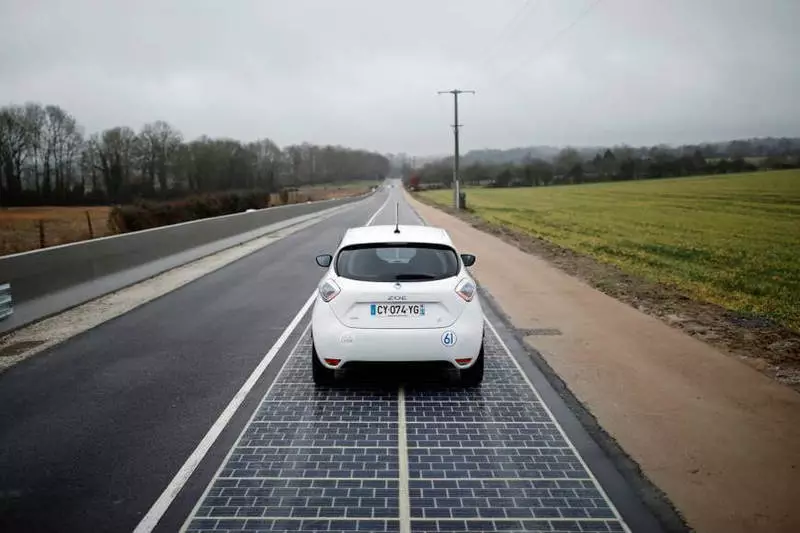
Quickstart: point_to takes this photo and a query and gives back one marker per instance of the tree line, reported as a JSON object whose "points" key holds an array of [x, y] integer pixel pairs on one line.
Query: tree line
{"points": [[572, 166], [45, 158]]}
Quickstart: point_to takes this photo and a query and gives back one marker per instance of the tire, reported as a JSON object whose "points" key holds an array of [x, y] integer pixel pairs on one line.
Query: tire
{"points": [[473, 376], [322, 375]]}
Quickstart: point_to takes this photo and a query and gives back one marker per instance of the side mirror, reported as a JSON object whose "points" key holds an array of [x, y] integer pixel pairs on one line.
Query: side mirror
{"points": [[468, 259], [324, 260]]}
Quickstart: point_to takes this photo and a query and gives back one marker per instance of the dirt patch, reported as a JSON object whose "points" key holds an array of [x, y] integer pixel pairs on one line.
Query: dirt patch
{"points": [[759, 342], [15, 348]]}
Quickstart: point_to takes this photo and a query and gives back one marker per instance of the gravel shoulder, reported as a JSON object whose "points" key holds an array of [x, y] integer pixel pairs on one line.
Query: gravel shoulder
{"points": [[718, 434]]}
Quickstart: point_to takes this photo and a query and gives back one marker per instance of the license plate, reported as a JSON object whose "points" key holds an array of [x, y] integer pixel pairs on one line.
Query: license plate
{"points": [[397, 310]]}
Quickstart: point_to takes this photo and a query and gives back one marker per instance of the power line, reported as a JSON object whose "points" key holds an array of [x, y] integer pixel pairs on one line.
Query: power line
{"points": [[548, 44], [456, 125], [507, 28]]}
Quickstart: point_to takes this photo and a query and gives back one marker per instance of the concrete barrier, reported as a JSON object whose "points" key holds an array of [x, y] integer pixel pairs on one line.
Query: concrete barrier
{"points": [[38, 273]]}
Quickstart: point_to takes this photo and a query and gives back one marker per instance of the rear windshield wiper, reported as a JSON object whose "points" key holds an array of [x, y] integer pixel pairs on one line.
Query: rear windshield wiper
{"points": [[409, 277]]}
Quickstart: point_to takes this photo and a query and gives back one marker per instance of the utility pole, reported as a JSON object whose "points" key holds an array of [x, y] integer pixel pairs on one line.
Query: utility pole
{"points": [[456, 125]]}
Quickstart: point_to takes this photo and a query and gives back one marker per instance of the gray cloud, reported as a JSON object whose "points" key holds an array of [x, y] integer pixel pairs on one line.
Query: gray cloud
{"points": [[365, 73]]}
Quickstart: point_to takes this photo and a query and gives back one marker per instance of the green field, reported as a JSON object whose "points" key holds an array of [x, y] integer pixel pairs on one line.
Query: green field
{"points": [[733, 240]]}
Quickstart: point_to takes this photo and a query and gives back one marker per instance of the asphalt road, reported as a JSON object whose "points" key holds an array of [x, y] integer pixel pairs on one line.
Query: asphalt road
{"points": [[93, 430]]}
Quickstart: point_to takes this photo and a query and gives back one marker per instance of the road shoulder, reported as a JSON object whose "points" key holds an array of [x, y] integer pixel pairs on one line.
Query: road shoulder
{"points": [[719, 438]]}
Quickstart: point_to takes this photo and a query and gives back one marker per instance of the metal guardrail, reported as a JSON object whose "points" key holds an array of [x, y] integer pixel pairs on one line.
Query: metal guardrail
{"points": [[6, 304]]}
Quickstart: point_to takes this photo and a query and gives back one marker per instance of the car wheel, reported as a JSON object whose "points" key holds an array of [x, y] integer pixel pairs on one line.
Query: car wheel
{"points": [[473, 376], [322, 374]]}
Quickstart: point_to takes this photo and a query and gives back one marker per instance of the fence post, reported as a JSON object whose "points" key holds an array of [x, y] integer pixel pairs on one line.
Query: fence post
{"points": [[41, 233], [89, 223]]}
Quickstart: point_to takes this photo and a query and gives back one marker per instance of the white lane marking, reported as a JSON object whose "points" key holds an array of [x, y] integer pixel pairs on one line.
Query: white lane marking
{"points": [[404, 504], [249, 422], [558, 426], [372, 218], [150, 520], [168, 495]]}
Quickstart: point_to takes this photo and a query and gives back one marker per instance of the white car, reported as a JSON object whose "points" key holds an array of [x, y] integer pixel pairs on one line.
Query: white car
{"points": [[397, 294]]}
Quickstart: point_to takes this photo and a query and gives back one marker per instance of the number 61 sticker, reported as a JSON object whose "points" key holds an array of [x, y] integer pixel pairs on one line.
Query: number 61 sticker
{"points": [[449, 338]]}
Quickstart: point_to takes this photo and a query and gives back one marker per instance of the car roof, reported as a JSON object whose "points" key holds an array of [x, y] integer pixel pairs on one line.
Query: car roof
{"points": [[386, 234]]}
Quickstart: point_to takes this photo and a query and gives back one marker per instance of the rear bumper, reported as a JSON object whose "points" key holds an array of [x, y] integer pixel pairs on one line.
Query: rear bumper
{"points": [[334, 340]]}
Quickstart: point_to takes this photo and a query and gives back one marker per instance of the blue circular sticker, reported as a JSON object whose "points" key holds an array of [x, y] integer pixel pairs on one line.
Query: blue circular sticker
{"points": [[449, 338]]}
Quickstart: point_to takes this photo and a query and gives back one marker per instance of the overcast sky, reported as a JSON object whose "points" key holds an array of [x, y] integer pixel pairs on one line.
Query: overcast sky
{"points": [[365, 73]]}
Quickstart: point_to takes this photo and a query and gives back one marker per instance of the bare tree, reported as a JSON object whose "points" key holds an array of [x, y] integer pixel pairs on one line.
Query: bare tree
{"points": [[44, 157], [268, 161], [115, 153], [158, 146], [62, 142], [14, 141], [36, 118]]}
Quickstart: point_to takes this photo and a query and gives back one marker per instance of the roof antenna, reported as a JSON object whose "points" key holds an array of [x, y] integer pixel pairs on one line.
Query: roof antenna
{"points": [[397, 217]]}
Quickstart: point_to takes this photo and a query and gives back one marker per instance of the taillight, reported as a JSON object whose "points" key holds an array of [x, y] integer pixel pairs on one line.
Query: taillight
{"points": [[464, 361], [328, 290], [466, 289]]}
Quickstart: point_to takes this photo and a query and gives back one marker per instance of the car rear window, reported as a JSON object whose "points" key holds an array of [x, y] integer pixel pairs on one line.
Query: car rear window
{"points": [[397, 262]]}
